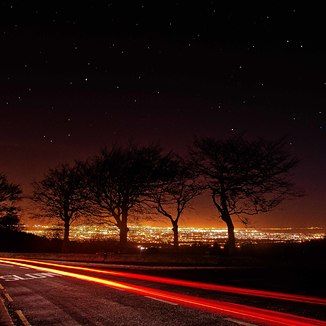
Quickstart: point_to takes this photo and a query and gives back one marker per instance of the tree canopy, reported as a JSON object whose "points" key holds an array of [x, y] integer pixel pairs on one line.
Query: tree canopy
{"points": [[174, 192], [244, 177], [119, 181], [62, 194]]}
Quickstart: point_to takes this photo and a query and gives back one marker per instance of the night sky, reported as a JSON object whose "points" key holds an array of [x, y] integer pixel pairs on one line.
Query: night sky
{"points": [[78, 75]]}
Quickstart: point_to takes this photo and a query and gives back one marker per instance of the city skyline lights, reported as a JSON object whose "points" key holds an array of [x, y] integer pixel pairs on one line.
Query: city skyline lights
{"points": [[187, 235]]}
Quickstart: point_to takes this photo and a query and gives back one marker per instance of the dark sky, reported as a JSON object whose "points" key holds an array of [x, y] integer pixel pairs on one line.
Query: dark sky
{"points": [[78, 75]]}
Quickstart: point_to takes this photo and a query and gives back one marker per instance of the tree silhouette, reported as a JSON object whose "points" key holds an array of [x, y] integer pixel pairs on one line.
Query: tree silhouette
{"points": [[10, 194], [174, 191], [62, 194], [120, 180], [244, 177]]}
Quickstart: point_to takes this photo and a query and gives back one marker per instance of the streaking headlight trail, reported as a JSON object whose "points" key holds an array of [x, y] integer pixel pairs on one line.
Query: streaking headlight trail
{"points": [[198, 285], [262, 316]]}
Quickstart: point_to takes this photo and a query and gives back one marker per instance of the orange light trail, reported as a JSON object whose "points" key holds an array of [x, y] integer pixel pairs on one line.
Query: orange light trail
{"points": [[263, 316], [192, 284]]}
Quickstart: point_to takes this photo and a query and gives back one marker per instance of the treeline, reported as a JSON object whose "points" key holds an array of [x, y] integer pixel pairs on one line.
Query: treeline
{"points": [[243, 177]]}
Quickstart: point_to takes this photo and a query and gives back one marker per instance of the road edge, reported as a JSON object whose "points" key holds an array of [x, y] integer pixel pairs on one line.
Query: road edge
{"points": [[5, 318]]}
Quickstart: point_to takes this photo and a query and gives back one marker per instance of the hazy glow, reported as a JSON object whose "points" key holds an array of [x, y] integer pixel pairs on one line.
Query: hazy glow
{"points": [[263, 316]]}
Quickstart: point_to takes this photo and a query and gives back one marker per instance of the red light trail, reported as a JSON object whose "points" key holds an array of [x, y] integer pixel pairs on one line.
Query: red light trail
{"points": [[192, 284], [263, 316]]}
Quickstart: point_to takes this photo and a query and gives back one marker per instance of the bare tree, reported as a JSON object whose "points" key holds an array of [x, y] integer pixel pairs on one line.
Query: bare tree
{"points": [[62, 194], [245, 177], [174, 192], [119, 182], [10, 194]]}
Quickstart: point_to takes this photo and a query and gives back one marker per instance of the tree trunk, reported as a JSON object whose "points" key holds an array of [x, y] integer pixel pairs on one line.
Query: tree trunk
{"points": [[123, 227], [230, 244], [175, 230], [65, 243], [123, 238], [225, 215]]}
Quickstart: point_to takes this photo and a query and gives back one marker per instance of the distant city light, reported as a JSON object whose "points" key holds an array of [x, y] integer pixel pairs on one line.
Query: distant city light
{"points": [[187, 236]]}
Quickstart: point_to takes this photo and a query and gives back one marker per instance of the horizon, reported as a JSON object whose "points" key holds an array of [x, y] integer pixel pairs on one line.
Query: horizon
{"points": [[187, 235]]}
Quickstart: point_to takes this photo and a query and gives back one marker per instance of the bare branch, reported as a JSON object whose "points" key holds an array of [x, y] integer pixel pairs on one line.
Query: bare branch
{"points": [[245, 177]]}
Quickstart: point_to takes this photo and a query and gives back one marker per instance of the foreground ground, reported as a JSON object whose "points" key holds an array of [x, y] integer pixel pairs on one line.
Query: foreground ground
{"points": [[60, 300], [305, 275], [57, 293]]}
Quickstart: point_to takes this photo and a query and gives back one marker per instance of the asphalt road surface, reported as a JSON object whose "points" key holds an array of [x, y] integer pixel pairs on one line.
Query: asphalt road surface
{"points": [[53, 295]]}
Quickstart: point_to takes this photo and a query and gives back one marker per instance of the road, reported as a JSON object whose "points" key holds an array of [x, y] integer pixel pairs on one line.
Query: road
{"points": [[45, 293]]}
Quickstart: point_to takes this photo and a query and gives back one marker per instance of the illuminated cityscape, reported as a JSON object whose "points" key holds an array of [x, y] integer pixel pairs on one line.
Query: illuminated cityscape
{"points": [[187, 236]]}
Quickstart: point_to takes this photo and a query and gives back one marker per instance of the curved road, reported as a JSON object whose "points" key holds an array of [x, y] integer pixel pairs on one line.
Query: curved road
{"points": [[41, 293]]}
